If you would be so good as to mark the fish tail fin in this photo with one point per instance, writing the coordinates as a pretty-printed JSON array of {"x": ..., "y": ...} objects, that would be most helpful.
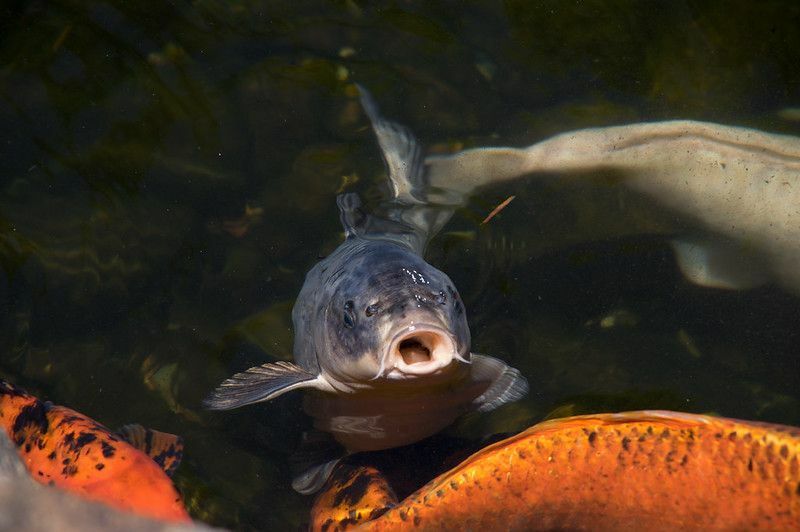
[
  {"x": 260, "y": 383},
  {"x": 165, "y": 449}
]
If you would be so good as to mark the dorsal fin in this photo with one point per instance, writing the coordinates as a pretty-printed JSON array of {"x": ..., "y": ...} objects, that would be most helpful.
[
  {"x": 414, "y": 213},
  {"x": 165, "y": 449},
  {"x": 350, "y": 213},
  {"x": 400, "y": 151}
]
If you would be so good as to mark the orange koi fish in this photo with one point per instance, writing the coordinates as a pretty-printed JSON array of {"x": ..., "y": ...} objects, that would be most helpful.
[
  {"x": 62, "y": 448},
  {"x": 646, "y": 470}
]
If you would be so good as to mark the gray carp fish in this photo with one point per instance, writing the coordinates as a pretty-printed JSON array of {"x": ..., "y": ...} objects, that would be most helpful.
[{"x": 381, "y": 336}]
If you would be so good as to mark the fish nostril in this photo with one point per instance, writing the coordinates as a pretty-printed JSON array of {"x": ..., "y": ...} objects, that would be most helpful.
[
  {"x": 414, "y": 351},
  {"x": 371, "y": 310},
  {"x": 349, "y": 316}
]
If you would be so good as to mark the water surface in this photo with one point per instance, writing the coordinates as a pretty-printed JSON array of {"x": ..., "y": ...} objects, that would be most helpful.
[{"x": 169, "y": 173}]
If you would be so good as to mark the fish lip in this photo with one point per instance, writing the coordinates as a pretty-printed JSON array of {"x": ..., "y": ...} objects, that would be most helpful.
[{"x": 442, "y": 344}]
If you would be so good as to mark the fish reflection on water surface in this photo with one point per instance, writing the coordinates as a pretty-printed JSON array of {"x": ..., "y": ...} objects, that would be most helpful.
[{"x": 381, "y": 336}]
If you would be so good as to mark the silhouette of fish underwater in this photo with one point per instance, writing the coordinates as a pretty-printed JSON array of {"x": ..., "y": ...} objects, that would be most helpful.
[
  {"x": 644, "y": 470},
  {"x": 732, "y": 191},
  {"x": 60, "y": 447}
]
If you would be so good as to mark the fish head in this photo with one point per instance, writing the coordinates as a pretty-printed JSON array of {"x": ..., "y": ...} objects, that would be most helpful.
[{"x": 393, "y": 316}]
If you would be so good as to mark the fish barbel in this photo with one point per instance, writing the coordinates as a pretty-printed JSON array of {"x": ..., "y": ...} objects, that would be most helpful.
[{"x": 645, "y": 470}]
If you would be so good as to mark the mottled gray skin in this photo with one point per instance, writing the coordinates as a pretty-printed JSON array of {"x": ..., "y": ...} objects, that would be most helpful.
[
  {"x": 364, "y": 287},
  {"x": 381, "y": 336}
]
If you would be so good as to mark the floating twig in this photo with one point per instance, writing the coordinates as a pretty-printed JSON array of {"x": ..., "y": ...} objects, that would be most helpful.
[
  {"x": 61, "y": 38},
  {"x": 498, "y": 209}
]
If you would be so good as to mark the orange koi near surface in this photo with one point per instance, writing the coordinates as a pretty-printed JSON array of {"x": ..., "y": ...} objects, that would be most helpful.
[
  {"x": 63, "y": 448},
  {"x": 645, "y": 470}
]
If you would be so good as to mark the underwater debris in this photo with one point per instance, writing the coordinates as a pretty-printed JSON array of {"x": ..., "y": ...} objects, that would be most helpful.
[{"x": 499, "y": 208}]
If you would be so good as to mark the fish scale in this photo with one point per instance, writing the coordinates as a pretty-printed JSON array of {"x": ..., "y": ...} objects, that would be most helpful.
[
  {"x": 63, "y": 448},
  {"x": 381, "y": 338},
  {"x": 648, "y": 470}
]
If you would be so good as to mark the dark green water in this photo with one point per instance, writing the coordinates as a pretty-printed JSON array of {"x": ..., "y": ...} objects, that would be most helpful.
[{"x": 168, "y": 173}]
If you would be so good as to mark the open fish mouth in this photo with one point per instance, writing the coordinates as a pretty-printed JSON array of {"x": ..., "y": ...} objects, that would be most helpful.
[{"x": 419, "y": 350}]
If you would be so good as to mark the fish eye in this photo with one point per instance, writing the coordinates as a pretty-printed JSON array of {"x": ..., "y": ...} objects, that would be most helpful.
[
  {"x": 372, "y": 309},
  {"x": 440, "y": 297},
  {"x": 349, "y": 315}
]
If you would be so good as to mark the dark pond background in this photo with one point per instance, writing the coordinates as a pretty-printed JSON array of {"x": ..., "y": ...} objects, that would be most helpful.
[{"x": 168, "y": 173}]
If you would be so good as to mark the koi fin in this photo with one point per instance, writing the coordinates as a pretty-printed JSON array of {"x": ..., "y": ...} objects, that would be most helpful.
[
  {"x": 260, "y": 383},
  {"x": 506, "y": 383},
  {"x": 718, "y": 264},
  {"x": 313, "y": 478},
  {"x": 351, "y": 214},
  {"x": 314, "y": 460},
  {"x": 400, "y": 150},
  {"x": 165, "y": 449},
  {"x": 414, "y": 213}
]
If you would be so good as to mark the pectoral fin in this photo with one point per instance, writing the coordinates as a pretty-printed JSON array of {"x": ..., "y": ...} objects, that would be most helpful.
[
  {"x": 719, "y": 264},
  {"x": 506, "y": 383},
  {"x": 312, "y": 463},
  {"x": 312, "y": 480},
  {"x": 260, "y": 383}
]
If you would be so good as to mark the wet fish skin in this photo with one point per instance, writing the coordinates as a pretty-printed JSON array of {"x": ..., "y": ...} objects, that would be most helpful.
[
  {"x": 645, "y": 470},
  {"x": 386, "y": 286},
  {"x": 63, "y": 448},
  {"x": 30, "y": 506},
  {"x": 738, "y": 187},
  {"x": 381, "y": 336}
]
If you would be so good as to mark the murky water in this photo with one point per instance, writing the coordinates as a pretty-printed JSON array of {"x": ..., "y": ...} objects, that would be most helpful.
[{"x": 169, "y": 174}]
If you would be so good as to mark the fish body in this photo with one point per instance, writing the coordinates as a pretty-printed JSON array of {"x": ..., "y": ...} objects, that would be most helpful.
[
  {"x": 646, "y": 470},
  {"x": 738, "y": 188},
  {"x": 63, "y": 448},
  {"x": 381, "y": 336},
  {"x": 399, "y": 365}
]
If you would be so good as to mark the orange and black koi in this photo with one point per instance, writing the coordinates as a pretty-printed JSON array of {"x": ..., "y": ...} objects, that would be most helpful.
[
  {"x": 646, "y": 470},
  {"x": 63, "y": 448}
]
